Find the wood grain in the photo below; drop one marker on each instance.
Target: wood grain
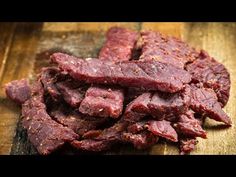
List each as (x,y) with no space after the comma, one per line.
(6,36)
(18,65)
(25,49)
(87,26)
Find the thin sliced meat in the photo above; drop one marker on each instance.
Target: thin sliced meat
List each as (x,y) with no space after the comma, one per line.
(137,127)
(156,46)
(161,105)
(164,105)
(190,126)
(78,122)
(212,74)
(142,140)
(152,75)
(91,145)
(204,100)
(44,133)
(91,134)
(18,91)
(113,133)
(119,44)
(140,104)
(187,145)
(103,102)
(132,116)
(72,92)
(105,139)
(137,109)
(163,129)
(49,77)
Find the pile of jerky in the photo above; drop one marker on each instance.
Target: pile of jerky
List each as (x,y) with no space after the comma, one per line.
(142,88)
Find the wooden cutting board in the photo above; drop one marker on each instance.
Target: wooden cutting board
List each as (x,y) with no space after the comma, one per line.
(25,47)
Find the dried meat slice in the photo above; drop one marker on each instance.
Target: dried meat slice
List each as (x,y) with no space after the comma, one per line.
(204,100)
(141,140)
(72,92)
(140,104)
(49,77)
(103,102)
(187,145)
(91,134)
(212,74)
(164,105)
(163,129)
(102,140)
(119,44)
(156,46)
(18,91)
(137,127)
(160,105)
(91,145)
(44,133)
(113,133)
(189,126)
(78,122)
(152,75)
(132,116)
(137,109)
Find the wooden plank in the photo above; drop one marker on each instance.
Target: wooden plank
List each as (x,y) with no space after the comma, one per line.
(6,35)
(86,26)
(19,64)
(219,40)
(173,29)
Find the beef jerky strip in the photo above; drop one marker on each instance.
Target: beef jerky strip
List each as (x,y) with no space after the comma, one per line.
(78,122)
(91,145)
(113,133)
(119,44)
(141,140)
(137,109)
(132,116)
(204,100)
(166,49)
(105,101)
(48,77)
(137,127)
(212,74)
(104,139)
(72,91)
(91,134)
(152,75)
(138,135)
(160,105)
(18,91)
(60,85)
(168,105)
(187,145)
(188,125)
(161,128)
(45,134)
